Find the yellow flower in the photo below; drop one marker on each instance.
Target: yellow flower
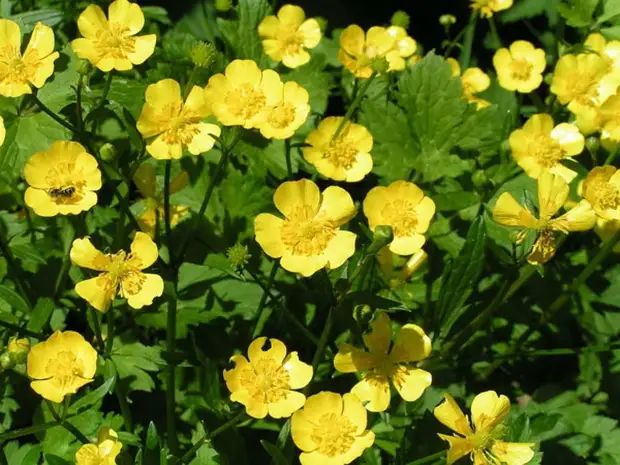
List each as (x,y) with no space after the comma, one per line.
(177,124)
(342,158)
(331,429)
(609,122)
(111,43)
(287,115)
(287,36)
(265,384)
(473,80)
(606,229)
(382,365)
(121,273)
(520,67)
(63,180)
(309,237)
(552,194)
(403,44)
(61,365)
(482,442)
(243,95)
(2,131)
(488,7)
(403,206)
(539,146)
(103,453)
(602,189)
(153,213)
(610,51)
(19,72)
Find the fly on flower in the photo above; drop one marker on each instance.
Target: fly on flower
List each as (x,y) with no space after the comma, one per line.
(104,452)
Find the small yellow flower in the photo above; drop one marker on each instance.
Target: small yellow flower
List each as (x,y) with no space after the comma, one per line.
(2,131)
(62,180)
(153,213)
(539,146)
(473,80)
(488,7)
(61,365)
(382,365)
(606,229)
(482,442)
(103,453)
(309,237)
(602,189)
(405,46)
(403,206)
(287,36)
(19,72)
(331,429)
(287,115)
(520,67)
(265,384)
(111,43)
(609,50)
(121,273)
(176,124)
(553,191)
(342,158)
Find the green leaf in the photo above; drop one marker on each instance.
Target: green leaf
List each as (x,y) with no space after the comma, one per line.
(12,298)
(40,314)
(526,9)
(451,201)
(156,13)
(611,33)
(94,396)
(59,90)
(315,80)
(134,360)
(128,93)
(47,16)
(275,453)
(152,437)
(611,9)
(206,455)
(578,13)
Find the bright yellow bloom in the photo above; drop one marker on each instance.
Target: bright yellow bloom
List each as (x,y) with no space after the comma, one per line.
(19,72)
(331,429)
(177,124)
(520,67)
(342,158)
(482,442)
(403,206)
(111,43)
(610,51)
(61,365)
(265,384)
(602,189)
(121,273)
(287,36)
(382,365)
(2,131)
(103,453)
(63,180)
(539,146)
(473,80)
(153,213)
(553,191)
(488,7)
(287,115)
(309,237)
(606,229)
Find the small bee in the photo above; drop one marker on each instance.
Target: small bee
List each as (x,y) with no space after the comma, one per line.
(63,192)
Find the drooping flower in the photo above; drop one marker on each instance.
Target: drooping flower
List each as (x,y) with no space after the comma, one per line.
(62,180)
(266,382)
(345,157)
(488,8)
(18,73)
(121,273)
(104,452)
(380,365)
(111,43)
(331,429)
(473,80)
(2,131)
(403,206)
(309,237)
(553,191)
(602,189)
(539,146)
(61,365)
(287,36)
(520,67)
(483,443)
(287,115)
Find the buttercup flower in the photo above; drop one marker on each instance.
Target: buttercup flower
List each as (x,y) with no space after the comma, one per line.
(111,43)
(62,180)
(473,80)
(403,44)
(287,115)
(382,365)
(342,158)
(309,237)
(153,212)
(403,206)
(488,7)
(265,384)
(177,124)
(2,131)
(539,146)
(287,36)
(609,50)
(482,442)
(19,72)
(61,365)
(121,273)
(331,429)
(552,194)
(520,67)
(606,229)
(602,189)
(103,453)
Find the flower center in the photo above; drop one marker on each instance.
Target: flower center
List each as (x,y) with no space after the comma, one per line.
(245,101)
(584,88)
(114,43)
(304,234)
(282,115)
(123,270)
(334,435)
(66,183)
(546,151)
(64,368)
(521,69)
(17,69)
(341,152)
(292,41)
(266,381)
(608,197)
(401,215)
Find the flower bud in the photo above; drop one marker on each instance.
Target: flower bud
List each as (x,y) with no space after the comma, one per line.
(383,235)
(203,54)
(6,362)
(18,349)
(414,263)
(380,65)
(400,18)
(223,5)
(593,144)
(108,152)
(238,256)
(480,179)
(83,67)
(447,20)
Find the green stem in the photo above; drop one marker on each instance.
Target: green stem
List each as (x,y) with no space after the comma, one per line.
(16,274)
(62,421)
(189,455)
(18,433)
(494,32)
(64,268)
(356,103)
(263,300)
(167,224)
(98,333)
(612,156)
(21,331)
(428,458)
(54,116)
(454,42)
(122,400)
(191,81)
(171,339)
(320,349)
(106,90)
(109,343)
(78,104)
(289,165)
(465,58)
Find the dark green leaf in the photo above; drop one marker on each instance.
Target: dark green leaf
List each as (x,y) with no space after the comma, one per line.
(275,453)
(40,314)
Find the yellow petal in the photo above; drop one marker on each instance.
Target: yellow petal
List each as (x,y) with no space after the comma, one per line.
(293,194)
(276,352)
(269,27)
(302,430)
(362,166)
(456,67)
(596,42)
(373,205)
(476,79)
(10,35)
(513,453)
(291,15)
(145,180)
(99,291)
(162,149)
(195,105)
(340,248)
(374,392)
(151,286)
(424,211)
(488,409)
(144,47)
(552,194)
(267,229)
(240,72)
(295,60)
(323,403)
(126,16)
(354,411)
(48,390)
(311,31)
(2,131)
(459,447)
(83,253)
(40,202)
(87,454)
(286,406)
(407,245)
(300,373)
(450,414)
(360,444)
(569,138)
(411,382)
(579,218)
(412,345)
(143,251)
(352,40)
(509,212)
(350,359)
(203,140)
(304,265)
(91,21)
(337,206)
(379,338)
(41,41)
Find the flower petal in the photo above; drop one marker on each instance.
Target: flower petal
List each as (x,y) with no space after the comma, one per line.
(144,46)
(350,359)
(292,194)
(143,250)
(41,41)
(354,411)
(450,414)
(126,16)
(203,140)
(340,248)
(337,206)
(509,212)
(91,21)
(412,345)
(99,291)
(380,337)
(302,430)
(267,229)
(411,382)
(291,15)
(374,392)
(552,194)
(232,377)
(488,409)
(513,453)
(151,287)
(311,31)
(83,253)
(269,27)
(352,40)
(361,443)
(304,265)
(459,447)
(276,352)
(300,373)
(407,245)
(40,202)
(569,138)
(579,218)
(323,403)
(286,406)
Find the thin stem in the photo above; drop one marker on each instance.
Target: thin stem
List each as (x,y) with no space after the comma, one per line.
(122,400)
(167,224)
(18,433)
(16,274)
(428,458)
(109,343)
(356,103)
(64,268)
(54,116)
(465,57)
(191,81)
(289,165)
(171,339)
(494,32)
(62,421)
(320,349)
(98,333)
(612,156)
(454,42)
(189,455)
(78,104)
(21,331)
(106,90)
(263,300)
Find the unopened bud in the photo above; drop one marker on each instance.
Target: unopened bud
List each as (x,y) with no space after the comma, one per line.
(6,362)
(108,152)
(223,5)
(83,67)
(383,235)
(18,349)
(447,20)
(480,179)
(380,65)
(593,144)
(238,256)
(322,22)
(203,54)
(414,263)
(400,18)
